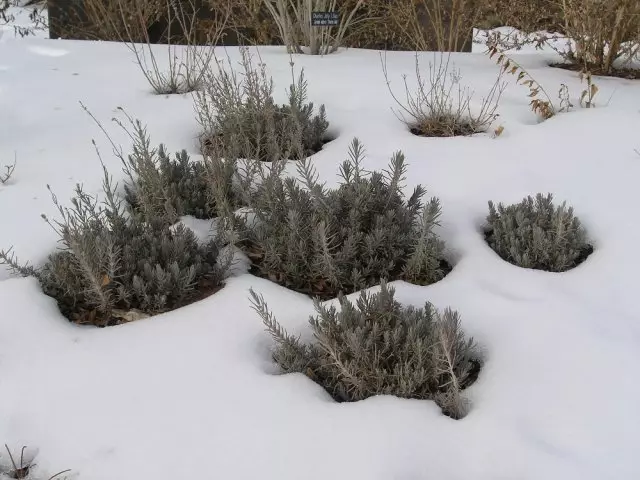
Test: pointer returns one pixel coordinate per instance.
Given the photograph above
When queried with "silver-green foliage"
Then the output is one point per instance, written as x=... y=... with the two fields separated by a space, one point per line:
x=240 y=110
x=111 y=263
x=380 y=347
x=536 y=234
x=160 y=186
x=322 y=241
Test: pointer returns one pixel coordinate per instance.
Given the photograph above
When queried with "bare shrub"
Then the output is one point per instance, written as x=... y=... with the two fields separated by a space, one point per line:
x=103 y=19
x=249 y=21
x=293 y=19
x=537 y=234
x=379 y=347
x=322 y=241
x=441 y=105
x=440 y=25
x=599 y=36
x=600 y=33
x=239 y=109
x=185 y=64
x=22 y=468
x=524 y=15
x=425 y=25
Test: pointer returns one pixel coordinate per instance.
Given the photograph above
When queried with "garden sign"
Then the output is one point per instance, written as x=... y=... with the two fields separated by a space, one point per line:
x=325 y=19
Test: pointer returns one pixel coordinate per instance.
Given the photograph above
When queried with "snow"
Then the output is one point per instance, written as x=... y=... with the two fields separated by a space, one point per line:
x=192 y=393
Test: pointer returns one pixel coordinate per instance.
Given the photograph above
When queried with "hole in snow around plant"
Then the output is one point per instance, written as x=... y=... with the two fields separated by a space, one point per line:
x=208 y=143
x=321 y=288
x=627 y=73
x=444 y=128
x=582 y=256
x=453 y=403
x=48 y=51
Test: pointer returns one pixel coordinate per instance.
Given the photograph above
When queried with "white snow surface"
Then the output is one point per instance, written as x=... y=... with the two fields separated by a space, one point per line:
x=193 y=393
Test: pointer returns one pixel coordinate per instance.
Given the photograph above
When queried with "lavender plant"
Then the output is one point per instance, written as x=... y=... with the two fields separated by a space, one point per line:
x=536 y=234
x=161 y=186
x=379 y=347
x=323 y=241
x=114 y=268
x=240 y=110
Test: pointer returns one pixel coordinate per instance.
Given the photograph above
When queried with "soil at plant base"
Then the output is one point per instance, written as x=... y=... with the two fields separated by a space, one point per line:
x=439 y=131
x=626 y=73
x=208 y=146
x=118 y=317
x=584 y=254
x=321 y=289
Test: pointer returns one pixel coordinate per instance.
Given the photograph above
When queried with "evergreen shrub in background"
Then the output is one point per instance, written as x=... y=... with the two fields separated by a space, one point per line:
x=379 y=347
x=536 y=234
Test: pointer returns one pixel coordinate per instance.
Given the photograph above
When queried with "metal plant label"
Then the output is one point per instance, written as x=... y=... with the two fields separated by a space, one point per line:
x=325 y=19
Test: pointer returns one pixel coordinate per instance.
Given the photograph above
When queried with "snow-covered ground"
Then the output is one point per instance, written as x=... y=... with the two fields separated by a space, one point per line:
x=192 y=393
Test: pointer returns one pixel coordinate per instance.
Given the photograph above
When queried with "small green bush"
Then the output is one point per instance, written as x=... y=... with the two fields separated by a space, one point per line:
x=161 y=188
x=537 y=234
x=320 y=241
x=114 y=268
x=379 y=347
x=242 y=113
x=160 y=185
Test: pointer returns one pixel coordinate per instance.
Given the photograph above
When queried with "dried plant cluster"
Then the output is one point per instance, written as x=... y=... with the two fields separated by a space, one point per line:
x=174 y=68
x=537 y=234
x=238 y=109
x=380 y=347
x=186 y=64
x=541 y=103
x=323 y=241
x=113 y=268
x=440 y=106
x=601 y=37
